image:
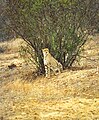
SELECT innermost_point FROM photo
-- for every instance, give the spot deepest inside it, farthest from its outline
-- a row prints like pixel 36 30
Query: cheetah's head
pixel 45 51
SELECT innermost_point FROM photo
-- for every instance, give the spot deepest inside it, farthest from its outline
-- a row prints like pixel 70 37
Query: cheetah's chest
pixel 46 61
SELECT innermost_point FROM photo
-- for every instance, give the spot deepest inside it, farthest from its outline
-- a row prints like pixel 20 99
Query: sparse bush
pixel 28 54
pixel 60 25
pixel 3 48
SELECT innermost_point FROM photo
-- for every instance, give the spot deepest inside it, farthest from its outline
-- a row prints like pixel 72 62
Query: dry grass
pixel 72 95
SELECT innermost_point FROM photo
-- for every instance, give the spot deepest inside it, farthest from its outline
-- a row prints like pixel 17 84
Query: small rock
pixel 12 66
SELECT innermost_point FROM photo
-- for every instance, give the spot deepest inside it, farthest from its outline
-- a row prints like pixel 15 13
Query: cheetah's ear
pixel 42 49
pixel 47 49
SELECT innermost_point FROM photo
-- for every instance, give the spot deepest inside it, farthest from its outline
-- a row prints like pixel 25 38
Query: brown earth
pixel 72 95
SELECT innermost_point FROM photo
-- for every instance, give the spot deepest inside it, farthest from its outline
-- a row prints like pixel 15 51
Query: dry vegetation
pixel 72 95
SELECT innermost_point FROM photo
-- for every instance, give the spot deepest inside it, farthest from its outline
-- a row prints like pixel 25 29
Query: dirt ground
pixel 72 95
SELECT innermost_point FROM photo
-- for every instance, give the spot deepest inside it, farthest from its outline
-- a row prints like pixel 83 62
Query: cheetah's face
pixel 45 51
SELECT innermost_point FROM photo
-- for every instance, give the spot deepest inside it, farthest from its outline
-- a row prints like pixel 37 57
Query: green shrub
pixel 57 24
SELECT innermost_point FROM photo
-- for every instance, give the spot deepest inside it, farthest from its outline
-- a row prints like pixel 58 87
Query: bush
pixel 59 25
pixel 3 48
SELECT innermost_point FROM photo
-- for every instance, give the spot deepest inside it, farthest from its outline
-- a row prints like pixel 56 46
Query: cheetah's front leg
pixel 47 71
